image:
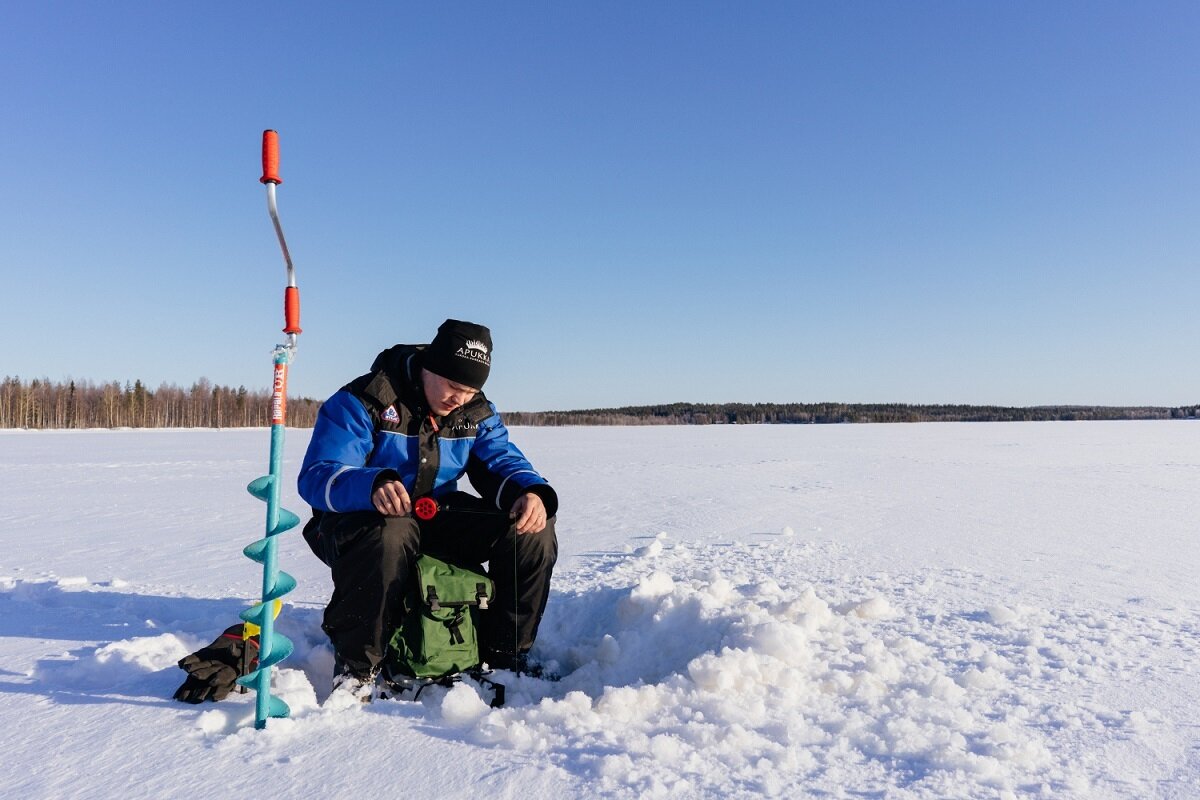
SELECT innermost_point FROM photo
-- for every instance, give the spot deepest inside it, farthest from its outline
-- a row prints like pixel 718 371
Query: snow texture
pixel 909 611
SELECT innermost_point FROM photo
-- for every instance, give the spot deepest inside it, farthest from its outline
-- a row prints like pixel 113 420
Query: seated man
pixel 412 427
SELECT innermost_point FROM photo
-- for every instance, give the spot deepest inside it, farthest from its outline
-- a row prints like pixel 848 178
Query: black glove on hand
pixel 213 669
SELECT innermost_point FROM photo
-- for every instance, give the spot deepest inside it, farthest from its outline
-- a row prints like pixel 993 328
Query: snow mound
pixel 122 664
pixel 764 680
pixel 462 707
pixel 695 682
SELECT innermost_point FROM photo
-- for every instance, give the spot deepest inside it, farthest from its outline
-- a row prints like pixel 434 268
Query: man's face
pixel 444 395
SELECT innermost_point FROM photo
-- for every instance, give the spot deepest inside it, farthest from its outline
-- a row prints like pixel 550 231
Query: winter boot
pixel 351 687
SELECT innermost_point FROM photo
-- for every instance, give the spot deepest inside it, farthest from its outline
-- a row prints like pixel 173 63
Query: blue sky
pixel 647 202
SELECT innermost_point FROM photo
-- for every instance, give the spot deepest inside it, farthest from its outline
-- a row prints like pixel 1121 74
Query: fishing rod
pixel 426 508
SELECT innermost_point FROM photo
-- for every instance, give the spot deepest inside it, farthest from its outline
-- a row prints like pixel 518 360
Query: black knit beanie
pixel 461 352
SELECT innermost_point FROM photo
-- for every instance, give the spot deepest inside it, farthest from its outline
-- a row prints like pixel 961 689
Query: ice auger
pixel 273 647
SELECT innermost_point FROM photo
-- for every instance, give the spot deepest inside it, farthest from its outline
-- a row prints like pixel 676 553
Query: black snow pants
pixel 371 557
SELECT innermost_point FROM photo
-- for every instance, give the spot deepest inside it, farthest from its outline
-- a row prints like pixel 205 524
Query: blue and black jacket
pixel 379 427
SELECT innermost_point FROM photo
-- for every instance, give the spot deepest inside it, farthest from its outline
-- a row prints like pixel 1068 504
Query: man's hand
pixel 529 513
pixel 390 498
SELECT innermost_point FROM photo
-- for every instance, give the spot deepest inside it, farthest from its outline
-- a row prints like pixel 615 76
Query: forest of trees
pixel 82 404
pixel 804 413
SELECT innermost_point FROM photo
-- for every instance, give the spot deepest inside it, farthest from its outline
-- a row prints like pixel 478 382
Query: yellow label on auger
pixel 250 629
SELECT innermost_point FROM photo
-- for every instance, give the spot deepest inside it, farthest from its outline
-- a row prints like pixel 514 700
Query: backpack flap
pixel 443 583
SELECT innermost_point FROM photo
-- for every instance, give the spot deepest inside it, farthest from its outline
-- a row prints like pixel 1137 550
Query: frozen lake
pixel 927 610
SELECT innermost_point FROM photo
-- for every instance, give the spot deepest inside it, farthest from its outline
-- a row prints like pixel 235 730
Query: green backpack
pixel 437 638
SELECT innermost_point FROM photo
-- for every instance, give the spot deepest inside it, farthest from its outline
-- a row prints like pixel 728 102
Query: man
pixel 413 427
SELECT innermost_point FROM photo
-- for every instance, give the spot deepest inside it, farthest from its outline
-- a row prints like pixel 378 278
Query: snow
pixel 908 611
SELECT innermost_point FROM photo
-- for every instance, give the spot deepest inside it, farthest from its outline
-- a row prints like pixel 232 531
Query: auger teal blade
pixel 250 681
pixel 257 550
pixel 287 521
pixel 255 614
pixel 278 708
pixel 284 583
pixel 261 487
pixel 281 648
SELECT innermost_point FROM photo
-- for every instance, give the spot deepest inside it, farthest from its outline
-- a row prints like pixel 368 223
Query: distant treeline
pixel 83 404
pixel 823 413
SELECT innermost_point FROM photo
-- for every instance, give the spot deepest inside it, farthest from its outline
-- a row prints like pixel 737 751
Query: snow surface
pixel 908 611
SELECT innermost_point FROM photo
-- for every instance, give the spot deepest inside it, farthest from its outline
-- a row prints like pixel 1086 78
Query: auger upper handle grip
pixel 291 310
pixel 270 153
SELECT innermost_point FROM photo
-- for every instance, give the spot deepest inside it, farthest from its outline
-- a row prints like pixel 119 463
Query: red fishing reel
pixel 426 508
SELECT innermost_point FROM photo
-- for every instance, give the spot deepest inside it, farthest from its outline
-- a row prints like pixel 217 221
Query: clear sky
pixel 976 202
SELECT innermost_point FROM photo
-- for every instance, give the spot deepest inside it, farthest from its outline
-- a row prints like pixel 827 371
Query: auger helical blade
pixel 277 708
pixel 276 583
pixel 287 521
pixel 261 488
pixel 266 705
pixel 256 613
pixel 256 551
pixel 281 648
pixel 284 584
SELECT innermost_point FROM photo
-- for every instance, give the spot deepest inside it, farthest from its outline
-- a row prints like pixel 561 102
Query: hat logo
pixel 474 350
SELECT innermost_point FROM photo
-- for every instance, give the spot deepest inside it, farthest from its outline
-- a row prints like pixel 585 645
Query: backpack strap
pixel 452 625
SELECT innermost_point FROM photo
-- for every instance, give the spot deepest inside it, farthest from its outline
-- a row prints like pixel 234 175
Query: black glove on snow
pixel 213 669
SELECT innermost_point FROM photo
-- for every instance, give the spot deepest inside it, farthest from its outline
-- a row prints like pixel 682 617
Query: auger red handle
pixel 270 177
pixel 291 310
pixel 270 153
